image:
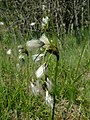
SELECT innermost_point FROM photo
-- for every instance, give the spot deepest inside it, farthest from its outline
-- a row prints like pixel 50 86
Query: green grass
pixel 72 83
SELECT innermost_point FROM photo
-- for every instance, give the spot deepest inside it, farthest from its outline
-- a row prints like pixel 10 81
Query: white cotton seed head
pixel 49 84
pixel 20 47
pixel 41 71
pixel 45 40
pixel 9 52
pixel 34 89
pixel 32 24
pixel 45 20
pixel 21 57
pixel 49 100
pixel 43 7
pixel 33 44
pixel 1 23
pixel 37 57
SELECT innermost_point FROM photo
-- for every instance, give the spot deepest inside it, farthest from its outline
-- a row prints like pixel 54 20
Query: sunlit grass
pixel 72 83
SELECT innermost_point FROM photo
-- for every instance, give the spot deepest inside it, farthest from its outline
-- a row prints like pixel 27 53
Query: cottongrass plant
pixel 40 83
pixel 47 47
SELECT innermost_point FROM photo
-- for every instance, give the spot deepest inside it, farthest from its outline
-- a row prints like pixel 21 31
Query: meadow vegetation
pixel 23 84
pixel 72 86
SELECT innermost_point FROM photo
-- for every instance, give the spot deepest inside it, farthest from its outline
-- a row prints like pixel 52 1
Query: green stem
pixel 82 52
pixel 54 93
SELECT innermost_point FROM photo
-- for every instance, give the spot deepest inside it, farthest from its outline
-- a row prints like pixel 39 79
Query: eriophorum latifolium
pixel 47 47
pixel 27 80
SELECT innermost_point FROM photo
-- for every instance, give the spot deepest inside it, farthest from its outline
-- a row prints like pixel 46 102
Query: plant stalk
pixel 54 92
